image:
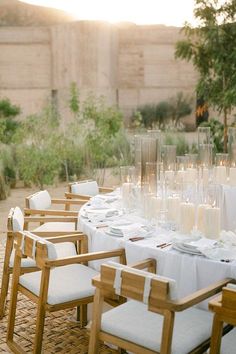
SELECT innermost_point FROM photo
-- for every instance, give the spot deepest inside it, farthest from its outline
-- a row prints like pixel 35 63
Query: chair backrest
pixel 15 221
pixel 40 200
pixel 229 299
pixel 35 247
pixel 139 285
pixel 89 188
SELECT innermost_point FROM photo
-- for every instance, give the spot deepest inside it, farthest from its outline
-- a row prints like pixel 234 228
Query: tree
pixel 211 48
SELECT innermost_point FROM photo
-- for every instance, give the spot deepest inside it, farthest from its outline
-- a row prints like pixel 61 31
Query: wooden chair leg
pixel 83 315
pixel 13 301
pixel 167 332
pixel 41 311
pixel 39 329
pixel 4 291
pixel 217 329
pixel 96 323
pixel 6 275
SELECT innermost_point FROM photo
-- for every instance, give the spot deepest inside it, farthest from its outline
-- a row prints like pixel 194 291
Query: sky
pixel 167 12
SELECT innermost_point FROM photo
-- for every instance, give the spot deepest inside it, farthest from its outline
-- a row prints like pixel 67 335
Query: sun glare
pixel 168 12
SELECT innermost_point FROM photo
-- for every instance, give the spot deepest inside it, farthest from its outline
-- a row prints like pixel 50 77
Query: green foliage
pixel 37 156
pixel 161 114
pixel 8 126
pixel 38 166
pixel 182 146
pixel 74 103
pixel 211 48
pixel 217 134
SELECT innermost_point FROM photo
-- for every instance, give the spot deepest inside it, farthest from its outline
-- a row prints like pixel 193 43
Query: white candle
pixel 147 205
pixel 205 176
pixel 155 206
pixel 126 192
pixel 181 176
pixel 173 208
pixel 220 174
pixel 201 217
pixel 232 176
pixel 191 174
pixel 187 217
pixel 212 222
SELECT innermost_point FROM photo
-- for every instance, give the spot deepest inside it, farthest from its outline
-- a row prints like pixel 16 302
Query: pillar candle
pixel 181 176
pixel 201 217
pixel 232 176
pixel 155 206
pixel 173 208
pixel 205 176
pixel 191 174
pixel 126 192
pixel 187 217
pixel 220 174
pixel 212 222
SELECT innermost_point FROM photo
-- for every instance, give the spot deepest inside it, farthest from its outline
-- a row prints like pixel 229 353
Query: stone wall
pixel 131 65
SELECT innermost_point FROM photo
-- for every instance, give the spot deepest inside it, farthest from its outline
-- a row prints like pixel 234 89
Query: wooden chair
pixel 85 190
pixel 15 223
pixel 41 203
pixel 224 308
pixel 153 321
pixel 61 283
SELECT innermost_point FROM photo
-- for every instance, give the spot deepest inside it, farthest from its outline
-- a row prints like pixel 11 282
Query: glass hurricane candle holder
pixel 169 157
pixel 151 176
pixel 205 155
pixel 148 153
pixel 232 145
pixel 204 135
pixel 127 174
pixel 221 168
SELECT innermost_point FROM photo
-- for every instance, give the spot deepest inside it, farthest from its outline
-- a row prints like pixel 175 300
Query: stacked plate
pixel 187 247
pixel 117 230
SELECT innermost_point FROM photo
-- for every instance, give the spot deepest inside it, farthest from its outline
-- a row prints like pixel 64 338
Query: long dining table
pixel 191 271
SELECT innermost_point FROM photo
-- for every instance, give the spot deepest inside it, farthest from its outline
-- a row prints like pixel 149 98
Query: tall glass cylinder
pixel 157 135
pixel 232 145
pixel 221 168
pixel 137 154
pixel 148 153
pixel 205 155
pixel 204 135
pixel 151 177
pixel 169 157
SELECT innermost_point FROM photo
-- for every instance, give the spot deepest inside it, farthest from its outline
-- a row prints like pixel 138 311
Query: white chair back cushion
pixel 51 248
pixel 172 282
pixel 40 200
pixel 17 220
pixel 85 188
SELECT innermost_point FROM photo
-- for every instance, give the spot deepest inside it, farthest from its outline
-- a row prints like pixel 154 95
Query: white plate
pixel 181 248
pixel 112 234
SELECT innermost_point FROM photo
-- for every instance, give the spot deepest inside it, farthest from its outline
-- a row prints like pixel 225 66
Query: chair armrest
pixel 45 219
pixel 149 263
pixel 68 201
pixel 83 198
pixel 85 258
pixel 68 238
pixel 28 211
pixel 199 296
pixel 48 234
pixel 105 189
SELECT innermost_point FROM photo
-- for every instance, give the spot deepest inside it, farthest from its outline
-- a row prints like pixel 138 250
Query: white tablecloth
pixel 190 272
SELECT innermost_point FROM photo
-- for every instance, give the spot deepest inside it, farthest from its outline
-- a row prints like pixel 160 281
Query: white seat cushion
pixel 85 188
pixel 56 226
pixel 40 200
pixel 66 283
pixel 133 322
pixel 63 249
pixel 228 345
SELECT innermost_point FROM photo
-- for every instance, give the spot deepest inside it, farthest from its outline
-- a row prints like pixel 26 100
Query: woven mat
pixel 60 334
